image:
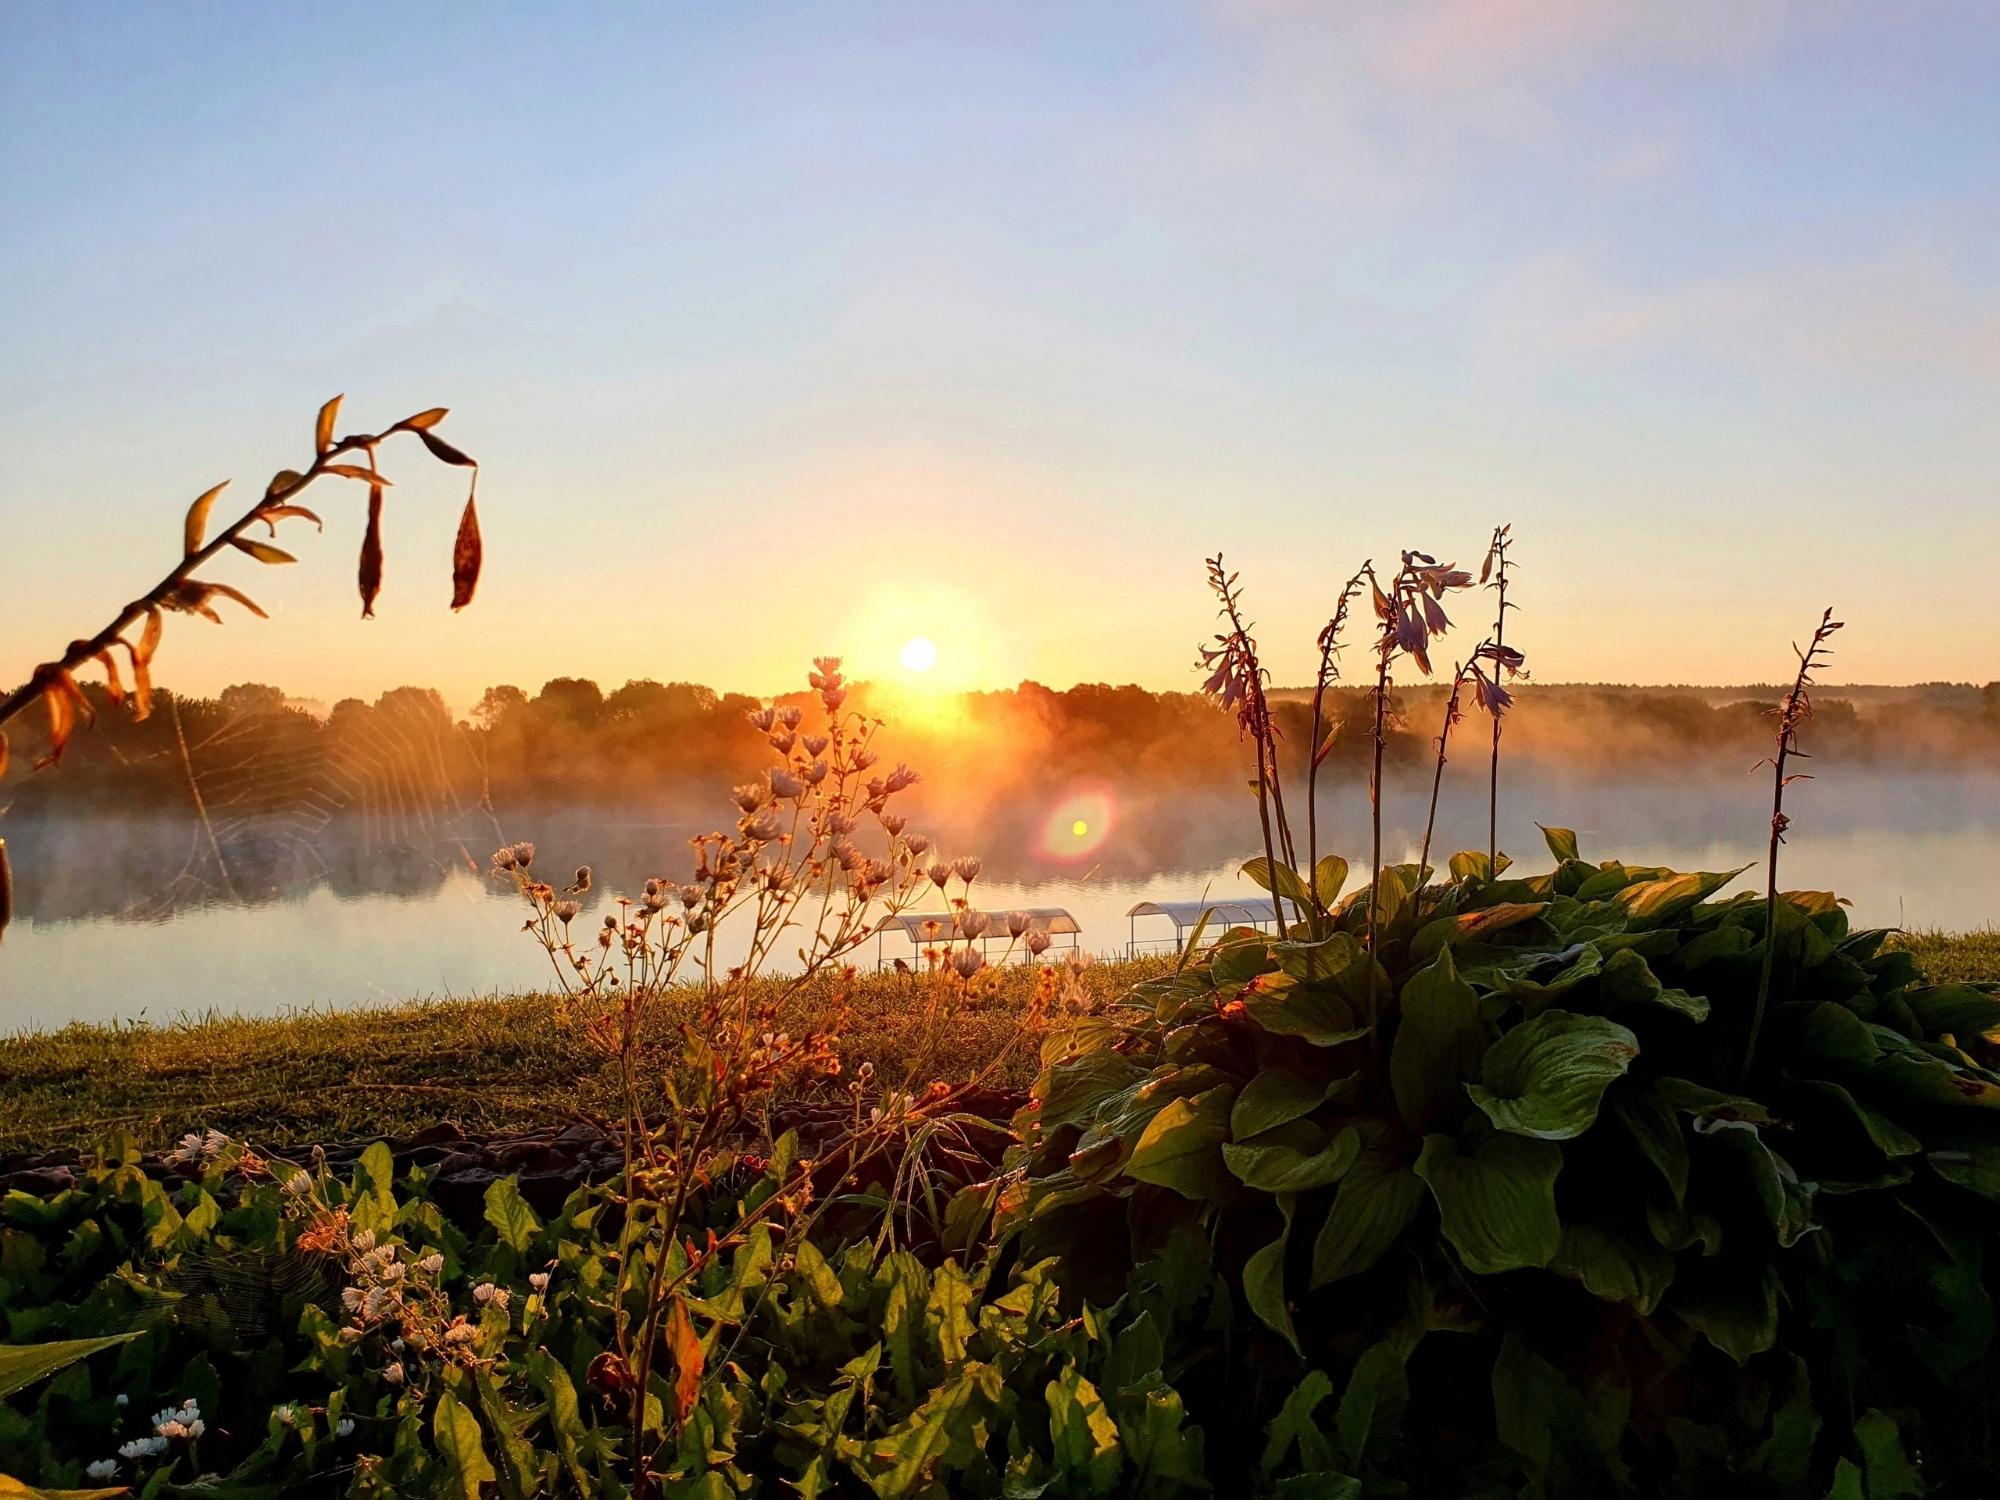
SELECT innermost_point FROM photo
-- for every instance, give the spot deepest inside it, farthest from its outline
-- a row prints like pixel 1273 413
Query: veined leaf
pixel 1264 1278
pixel 1181 1147
pixel 1287 1169
pixel 466 555
pixel 1373 1205
pixel 456 1431
pixel 1329 875
pixel 21 1365
pixel 1561 841
pixel 1498 1203
pixel 1655 901
pixel 1614 1265
pixel 1546 1077
pixel 1276 1096
pixel 511 1216
pixel 1439 1043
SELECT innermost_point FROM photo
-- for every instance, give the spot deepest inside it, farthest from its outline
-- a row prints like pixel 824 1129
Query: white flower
pixel 460 1333
pixel 104 1468
pixel 486 1292
pixel 364 1239
pixel 170 1430
pixel 287 1415
pixel 350 1298
pixel 394 1374
pixel 142 1447
pixel 298 1184
pixel 539 1281
pixel 345 1429
pixel 196 1428
pixel 123 1401
pixel 431 1264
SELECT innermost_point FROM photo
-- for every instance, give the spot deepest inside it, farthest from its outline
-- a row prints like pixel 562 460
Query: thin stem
pixel 1451 717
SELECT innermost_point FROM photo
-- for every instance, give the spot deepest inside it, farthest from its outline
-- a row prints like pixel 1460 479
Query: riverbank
pixel 504 1063
pixel 517 1063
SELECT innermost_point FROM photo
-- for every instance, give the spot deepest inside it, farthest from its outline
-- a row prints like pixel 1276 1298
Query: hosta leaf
pixel 1629 980
pixel 1976 1168
pixel 1375 1201
pixel 1287 1169
pixel 1960 1010
pixel 1439 1043
pixel 1707 1104
pixel 1311 1013
pixel 1731 1301
pixel 1561 841
pixel 1655 1127
pixel 1498 1202
pixel 1473 926
pixel 1275 1097
pixel 1181 1147
pixel 1786 1202
pixel 1546 1077
pixel 1653 902
pixel 1329 875
pixel 1883 1133
pixel 1281 880
pixel 1264 1280
pixel 1614 1265
pixel 21 1365
pixel 1377 1391
pixel 1296 1425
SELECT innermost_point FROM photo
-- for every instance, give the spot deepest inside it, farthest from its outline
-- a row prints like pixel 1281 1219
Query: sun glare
pixel 919 654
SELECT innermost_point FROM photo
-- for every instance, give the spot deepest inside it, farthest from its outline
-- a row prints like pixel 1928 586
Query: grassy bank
pixel 505 1063
pixel 494 1064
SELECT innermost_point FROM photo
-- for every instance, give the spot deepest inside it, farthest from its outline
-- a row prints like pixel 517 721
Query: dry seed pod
pixel 369 572
pixel 466 554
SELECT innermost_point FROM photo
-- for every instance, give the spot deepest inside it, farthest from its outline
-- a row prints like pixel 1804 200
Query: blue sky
pixel 801 328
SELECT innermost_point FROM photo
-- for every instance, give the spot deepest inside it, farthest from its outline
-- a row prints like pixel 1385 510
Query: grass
pixel 506 1063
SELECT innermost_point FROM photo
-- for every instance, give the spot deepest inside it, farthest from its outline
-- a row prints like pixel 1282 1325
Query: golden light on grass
pixel 919 653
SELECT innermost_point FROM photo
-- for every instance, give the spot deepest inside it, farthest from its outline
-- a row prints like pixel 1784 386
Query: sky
pixel 794 329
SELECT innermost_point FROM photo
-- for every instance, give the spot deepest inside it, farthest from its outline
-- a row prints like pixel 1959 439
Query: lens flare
pixel 1079 826
pixel 919 653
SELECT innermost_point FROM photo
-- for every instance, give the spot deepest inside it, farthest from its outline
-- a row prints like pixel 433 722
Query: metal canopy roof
pixel 1184 914
pixel 917 926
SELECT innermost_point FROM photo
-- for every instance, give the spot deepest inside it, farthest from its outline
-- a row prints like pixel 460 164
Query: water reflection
pixel 151 918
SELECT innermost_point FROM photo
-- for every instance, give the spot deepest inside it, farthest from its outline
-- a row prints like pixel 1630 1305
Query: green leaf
pixel 1960 1010
pixel 1160 1445
pixel 1377 1391
pixel 1891 1476
pixel 1655 1127
pixel 1181 1147
pixel 1653 902
pixel 1374 1204
pixel 1561 841
pixel 13 1489
pixel 1706 1104
pixel 1629 980
pixel 1295 1426
pixel 1497 1204
pixel 21 1365
pixel 374 1205
pixel 1546 1077
pixel 1310 1012
pixel 1083 1433
pixel 948 1313
pixel 1280 1168
pixel 1439 1043
pixel 1474 926
pixel 1731 1302
pixel 1614 1265
pixel 1329 875
pixel 1281 880
pixel 457 1433
pixel 1276 1096
pixel 510 1214
pixel 1264 1280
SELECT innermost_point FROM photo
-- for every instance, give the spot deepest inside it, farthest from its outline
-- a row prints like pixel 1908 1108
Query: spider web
pixel 277 803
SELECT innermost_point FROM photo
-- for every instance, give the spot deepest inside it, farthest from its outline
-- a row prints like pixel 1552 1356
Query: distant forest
pixel 652 743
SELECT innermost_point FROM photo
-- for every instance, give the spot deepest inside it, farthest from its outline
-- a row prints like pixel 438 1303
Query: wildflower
pixel 503 859
pixel 567 911
pixel 790 715
pixel 940 874
pixel 364 1239
pixel 761 719
pixel 968 867
pixel 782 742
pixel 895 823
pixel 815 744
pixel 394 1375
pixel 1038 942
pixel 431 1264
pixel 968 962
pixel 103 1468
pixel 123 1401
pixel 142 1448
pixel 761 829
pixel 287 1415
pixel 973 924
pixel 460 1332
pixel 784 783
pixel 1018 922
pixel 900 779
pixel 815 773
pixel 581 884
pixel 863 759
pixel 917 843
pixel 487 1292
pixel 350 1298
pixel 524 854
pixel 298 1185
pixel 345 1429
pixel 539 1280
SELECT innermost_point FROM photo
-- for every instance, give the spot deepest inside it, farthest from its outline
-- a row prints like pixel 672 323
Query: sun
pixel 919 654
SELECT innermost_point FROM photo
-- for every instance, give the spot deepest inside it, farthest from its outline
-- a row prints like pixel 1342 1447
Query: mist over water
pixel 149 918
